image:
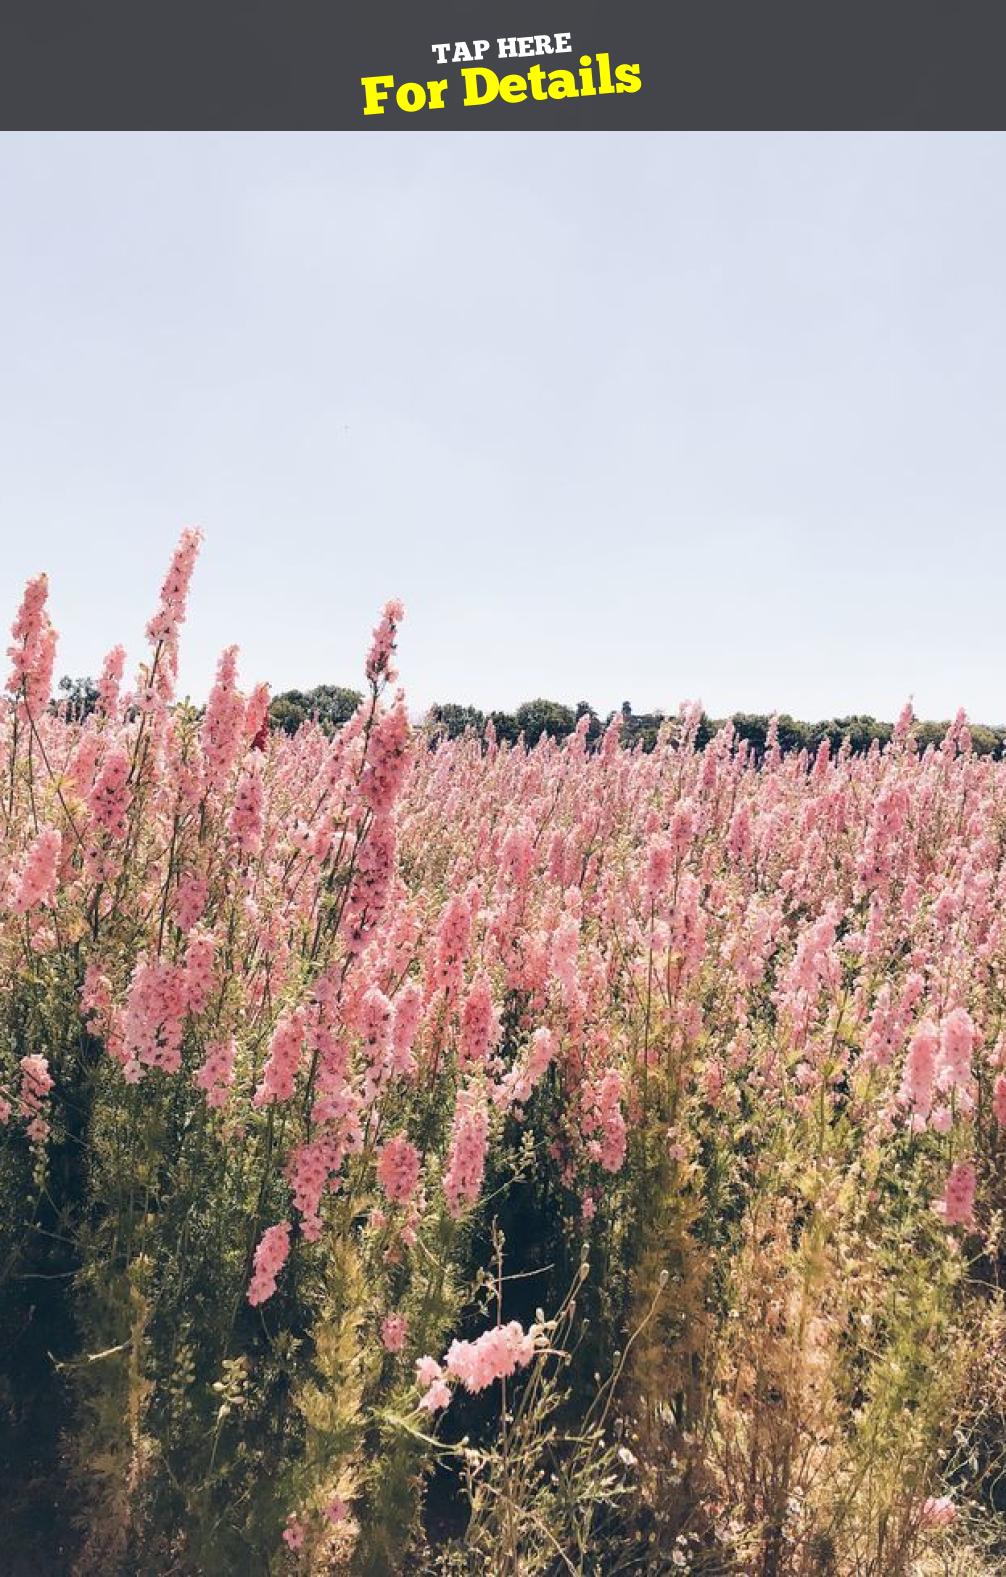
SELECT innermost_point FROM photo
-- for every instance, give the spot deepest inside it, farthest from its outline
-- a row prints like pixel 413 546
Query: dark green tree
pixel 328 705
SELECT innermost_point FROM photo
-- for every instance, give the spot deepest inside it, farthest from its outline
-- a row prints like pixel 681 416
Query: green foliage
pixel 79 696
pixel 535 719
pixel 328 705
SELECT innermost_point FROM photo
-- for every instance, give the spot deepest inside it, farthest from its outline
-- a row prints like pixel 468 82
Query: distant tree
pixel 584 709
pixel 452 720
pixel 329 705
pixel 333 705
pixel 535 718
pixel 79 696
pixel 506 726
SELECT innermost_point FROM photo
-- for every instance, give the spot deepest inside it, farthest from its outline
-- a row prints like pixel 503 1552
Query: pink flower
pixel 222 733
pixel 190 899
pixel 294 1533
pixel 387 759
pixel 957 1204
pixel 451 946
pixel 436 1397
pixel 428 1370
pixel 270 1257
pixel 111 680
pixel 398 1168
pixel 247 816
pixel 467 1156
pixel 37 884
pixel 938 1512
pixel 36 1083
pixel 407 1013
pixel 309 1169
pixel 162 630
pixel 200 977
pixel 148 1031
pixel 495 1355
pixel 609 1148
pixel 383 643
pixel 215 1074
pixel 919 1071
pixel 479 1022
pixel 280 1071
pixel 394 1331
pixel 957 1041
pixel 110 797
pixel 33 650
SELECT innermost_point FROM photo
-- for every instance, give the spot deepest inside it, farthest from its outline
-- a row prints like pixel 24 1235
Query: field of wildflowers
pixel 448 1157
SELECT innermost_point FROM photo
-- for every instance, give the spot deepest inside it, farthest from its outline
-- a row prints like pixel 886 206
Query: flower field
pixel 441 1156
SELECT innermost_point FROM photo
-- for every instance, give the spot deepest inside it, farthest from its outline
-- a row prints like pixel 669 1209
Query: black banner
pixel 561 65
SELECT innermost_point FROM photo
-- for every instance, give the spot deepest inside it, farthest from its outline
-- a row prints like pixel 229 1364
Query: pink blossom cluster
pixel 36 1083
pixel 398 1168
pixel 32 652
pixel 377 958
pixel 382 644
pixel 466 1157
pixel 37 882
pixel 215 1074
pixel 495 1355
pixel 271 1255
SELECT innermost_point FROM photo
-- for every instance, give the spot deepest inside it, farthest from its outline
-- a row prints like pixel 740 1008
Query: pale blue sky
pixel 622 416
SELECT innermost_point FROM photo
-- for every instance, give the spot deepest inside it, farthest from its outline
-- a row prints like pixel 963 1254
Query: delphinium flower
pixel 32 651
pixel 916 1091
pixel 271 1255
pixel 398 1168
pixel 517 1086
pixel 109 799
pixel 957 1041
pixel 372 882
pixel 37 882
pixel 451 947
pixel 200 976
pixel 467 1154
pixel 374 1023
pixel 938 1511
pixel 294 1533
pixel 190 899
pixel 246 817
pixel 163 627
pixel 408 1011
pixel 394 1332
pixel 957 1203
pixel 110 682
pixel 222 733
pixel 256 720
pixel 495 1355
pixel 215 1075
pixel 283 1061
pixel 383 643
pixel 36 1083
pixel 436 1391
pixel 479 1021
pixel 608 1122
pixel 387 759
pixel 148 1030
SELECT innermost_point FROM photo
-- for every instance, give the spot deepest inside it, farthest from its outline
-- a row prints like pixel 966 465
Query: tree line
pixel 331 706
